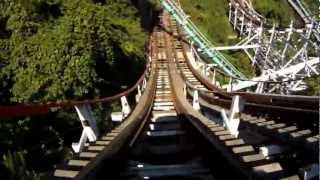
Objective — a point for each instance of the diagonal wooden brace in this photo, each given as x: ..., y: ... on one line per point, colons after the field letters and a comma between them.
x: 90, y: 130
x: 232, y: 122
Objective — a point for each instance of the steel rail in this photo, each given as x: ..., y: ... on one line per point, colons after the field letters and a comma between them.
x: 298, y: 102
x: 200, y: 40
x: 128, y: 132
x: 86, y: 163
x: 119, y: 138
x: 303, y: 141
x: 124, y: 132
x: 213, y: 132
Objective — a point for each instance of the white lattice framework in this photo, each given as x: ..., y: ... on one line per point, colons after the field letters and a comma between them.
x: 282, y: 58
x: 284, y: 55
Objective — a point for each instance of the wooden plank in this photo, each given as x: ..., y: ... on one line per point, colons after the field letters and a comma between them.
x: 276, y: 126
x: 294, y: 177
x: 112, y: 134
x: 78, y: 162
x: 252, y: 158
x: 225, y: 132
x: 242, y: 149
x: 218, y: 128
x: 313, y: 139
x: 227, y: 137
x: 268, y: 168
x: 300, y: 133
x: 88, y: 155
x: 266, y: 123
x: 234, y: 142
x: 287, y: 129
x: 107, y: 138
x: 96, y: 148
x: 102, y: 142
x: 65, y: 173
x: 255, y: 121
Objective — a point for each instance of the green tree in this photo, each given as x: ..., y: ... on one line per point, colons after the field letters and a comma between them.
x: 54, y: 50
x: 62, y: 57
x: 16, y: 165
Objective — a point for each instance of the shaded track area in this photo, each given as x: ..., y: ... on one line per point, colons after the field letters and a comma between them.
x: 165, y: 148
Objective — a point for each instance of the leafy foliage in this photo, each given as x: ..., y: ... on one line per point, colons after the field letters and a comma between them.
x: 16, y: 165
x: 154, y: 4
x: 55, y: 50
x: 62, y: 57
x: 314, y: 86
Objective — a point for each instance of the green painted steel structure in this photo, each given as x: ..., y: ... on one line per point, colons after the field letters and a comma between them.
x: 199, y: 39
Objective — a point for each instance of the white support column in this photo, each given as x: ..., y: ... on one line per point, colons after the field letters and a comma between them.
x: 250, y: 29
x: 185, y: 90
x: 260, y: 87
x: 207, y: 70
x: 214, y: 77
x: 144, y: 84
x: 125, y: 106
x: 310, y: 171
x: 139, y: 94
x: 193, y: 54
x: 232, y: 122
x: 204, y: 69
x: 258, y: 50
x: 125, y: 111
x: 90, y: 130
x: 283, y: 54
x: 242, y: 24
x: 309, y: 28
x: 250, y: 56
x: 229, y: 89
x: 273, y: 31
x: 235, y: 16
x: 230, y: 11
x: 195, y: 102
x: 270, y: 150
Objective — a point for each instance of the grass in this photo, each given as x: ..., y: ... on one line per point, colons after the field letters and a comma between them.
x: 314, y: 86
x: 314, y: 7
x: 278, y: 11
x: 211, y: 21
x: 211, y: 17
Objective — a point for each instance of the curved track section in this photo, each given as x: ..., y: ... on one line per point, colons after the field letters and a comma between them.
x: 181, y: 127
x: 163, y: 148
x: 288, y: 122
x: 86, y: 162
